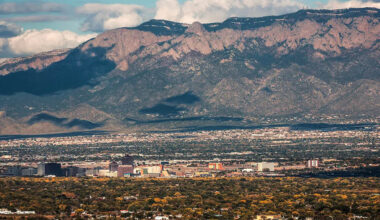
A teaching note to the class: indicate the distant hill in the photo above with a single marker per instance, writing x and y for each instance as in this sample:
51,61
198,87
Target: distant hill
164,74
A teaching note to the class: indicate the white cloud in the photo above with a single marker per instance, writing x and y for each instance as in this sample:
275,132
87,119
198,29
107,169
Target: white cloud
335,4
103,17
36,41
9,29
218,10
168,9
38,18
30,7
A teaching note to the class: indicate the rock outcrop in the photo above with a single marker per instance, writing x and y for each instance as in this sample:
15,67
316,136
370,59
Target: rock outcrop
37,62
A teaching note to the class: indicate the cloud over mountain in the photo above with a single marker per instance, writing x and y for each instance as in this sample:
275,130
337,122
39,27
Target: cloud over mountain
101,17
36,41
335,4
218,10
168,9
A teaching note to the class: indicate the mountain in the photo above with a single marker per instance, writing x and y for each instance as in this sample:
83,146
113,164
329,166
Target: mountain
163,75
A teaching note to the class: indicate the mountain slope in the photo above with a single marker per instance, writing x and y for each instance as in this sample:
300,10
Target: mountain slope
316,62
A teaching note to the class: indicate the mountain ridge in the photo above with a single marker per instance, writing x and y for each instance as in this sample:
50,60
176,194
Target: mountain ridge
317,62
230,23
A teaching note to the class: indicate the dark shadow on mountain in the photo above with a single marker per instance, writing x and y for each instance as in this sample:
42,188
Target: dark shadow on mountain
202,118
43,117
162,109
218,128
186,98
70,134
76,70
267,90
333,127
311,127
62,122
130,120
162,27
83,124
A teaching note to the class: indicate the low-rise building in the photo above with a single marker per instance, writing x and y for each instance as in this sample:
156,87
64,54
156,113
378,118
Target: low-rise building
203,174
312,163
125,171
267,217
30,171
149,171
107,173
215,166
265,167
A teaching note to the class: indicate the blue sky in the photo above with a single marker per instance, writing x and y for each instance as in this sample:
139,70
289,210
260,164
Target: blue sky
26,25
73,23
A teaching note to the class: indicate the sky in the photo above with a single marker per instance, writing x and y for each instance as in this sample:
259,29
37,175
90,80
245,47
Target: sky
28,27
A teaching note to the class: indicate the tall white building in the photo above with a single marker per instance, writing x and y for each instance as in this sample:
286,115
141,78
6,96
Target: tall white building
41,169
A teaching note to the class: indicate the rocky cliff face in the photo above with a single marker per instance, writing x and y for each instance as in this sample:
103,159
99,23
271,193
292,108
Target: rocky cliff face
37,62
339,30
309,62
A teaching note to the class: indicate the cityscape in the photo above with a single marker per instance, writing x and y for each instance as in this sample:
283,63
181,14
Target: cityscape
127,168
176,158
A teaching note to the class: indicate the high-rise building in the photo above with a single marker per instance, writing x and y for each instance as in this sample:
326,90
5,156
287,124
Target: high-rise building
124,170
49,169
14,171
127,160
163,163
113,166
93,172
41,169
74,171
